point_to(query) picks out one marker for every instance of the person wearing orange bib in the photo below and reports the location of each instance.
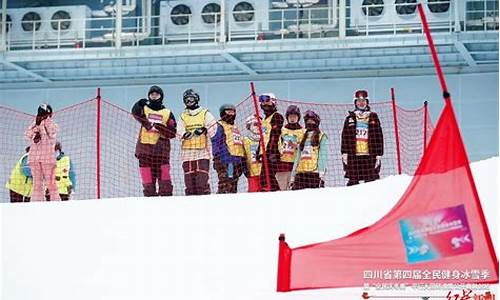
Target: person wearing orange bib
(291, 136)
(362, 142)
(228, 151)
(158, 126)
(309, 167)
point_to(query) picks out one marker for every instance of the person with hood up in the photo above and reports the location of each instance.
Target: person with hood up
(291, 136)
(362, 142)
(309, 167)
(20, 182)
(196, 128)
(227, 150)
(271, 127)
(158, 126)
(43, 133)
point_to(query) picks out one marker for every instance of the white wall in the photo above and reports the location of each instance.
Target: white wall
(475, 97)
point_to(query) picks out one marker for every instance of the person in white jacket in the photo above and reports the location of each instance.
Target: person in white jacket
(196, 127)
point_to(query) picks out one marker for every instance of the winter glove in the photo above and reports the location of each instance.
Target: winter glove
(200, 131)
(187, 135)
(70, 189)
(230, 170)
(377, 161)
(143, 102)
(344, 158)
(37, 137)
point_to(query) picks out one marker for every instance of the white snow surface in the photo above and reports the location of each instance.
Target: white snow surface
(205, 247)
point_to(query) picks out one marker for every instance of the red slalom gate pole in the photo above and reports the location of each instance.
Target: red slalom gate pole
(98, 145)
(396, 129)
(435, 58)
(261, 136)
(447, 100)
(426, 111)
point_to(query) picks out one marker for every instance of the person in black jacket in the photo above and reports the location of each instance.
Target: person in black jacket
(158, 126)
(362, 142)
(271, 127)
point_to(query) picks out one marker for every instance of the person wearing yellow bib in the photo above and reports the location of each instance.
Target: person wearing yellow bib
(196, 128)
(291, 136)
(158, 126)
(271, 127)
(309, 167)
(362, 142)
(65, 174)
(20, 181)
(228, 151)
(251, 144)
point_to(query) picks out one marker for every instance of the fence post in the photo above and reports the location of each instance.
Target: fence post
(396, 130)
(426, 111)
(98, 145)
(261, 136)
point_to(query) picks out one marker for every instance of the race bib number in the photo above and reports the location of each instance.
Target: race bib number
(289, 144)
(238, 140)
(155, 119)
(362, 133)
(307, 152)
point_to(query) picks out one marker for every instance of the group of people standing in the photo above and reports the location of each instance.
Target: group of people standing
(44, 172)
(276, 153)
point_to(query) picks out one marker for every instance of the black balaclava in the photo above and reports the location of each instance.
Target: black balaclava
(224, 116)
(155, 104)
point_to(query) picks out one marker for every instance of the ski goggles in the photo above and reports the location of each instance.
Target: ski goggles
(265, 98)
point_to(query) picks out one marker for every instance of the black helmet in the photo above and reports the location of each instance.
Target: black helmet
(311, 115)
(292, 110)
(225, 107)
(156, 89)
(44, 110)
(188, 95)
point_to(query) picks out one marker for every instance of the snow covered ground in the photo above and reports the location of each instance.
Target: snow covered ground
(213, 247)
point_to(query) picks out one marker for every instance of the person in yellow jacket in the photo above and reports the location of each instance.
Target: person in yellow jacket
(65, 173)
(251, 144)
(196, 128)
(20, 182)
(291, 136)
(309, 167)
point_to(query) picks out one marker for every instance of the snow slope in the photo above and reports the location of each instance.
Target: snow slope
(212, 247)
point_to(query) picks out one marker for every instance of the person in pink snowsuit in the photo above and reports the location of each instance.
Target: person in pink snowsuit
(42, 134)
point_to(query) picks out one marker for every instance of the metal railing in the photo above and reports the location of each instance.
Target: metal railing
(273, 24)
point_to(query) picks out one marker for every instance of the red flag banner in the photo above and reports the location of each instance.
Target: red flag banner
(436, 233)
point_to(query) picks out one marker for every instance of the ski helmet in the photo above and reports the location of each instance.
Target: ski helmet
(292, 110)
(250, 123)
(224, 107)
(190, 98)
(268, 97)
(311, 115)
(44, 110)
(156, 89)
